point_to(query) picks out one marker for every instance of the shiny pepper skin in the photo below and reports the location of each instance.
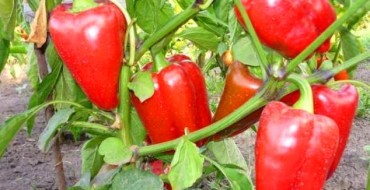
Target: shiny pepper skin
(240, 86)
(289, 26)
(179, 101)
(90, 43)
(339, 105)
(294, 148)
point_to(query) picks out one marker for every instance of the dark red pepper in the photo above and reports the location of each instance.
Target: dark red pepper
(289, 26)
(339, 105)
(240, 86)
(294, 148)
(179, 101)
(90, 43)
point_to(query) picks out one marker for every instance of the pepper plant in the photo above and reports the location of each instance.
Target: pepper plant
(130, 75)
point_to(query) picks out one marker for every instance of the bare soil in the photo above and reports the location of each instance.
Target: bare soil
(24, 167)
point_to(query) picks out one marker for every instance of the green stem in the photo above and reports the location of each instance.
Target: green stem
(124, 109)
(257, 44)
(82, 5)
(160, 62)
(252, 105)
(323, 76)
(172, 25)
(18, 49)
(305, 101)
(325, 35)
(94, 128)
(258, 101)
(352, 62)
(130, 34)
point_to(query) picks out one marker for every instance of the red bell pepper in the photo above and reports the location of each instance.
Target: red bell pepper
(240, 86)
(294, 148)
(338, 105)
(90, 43)
(179, 101)
(289, 26)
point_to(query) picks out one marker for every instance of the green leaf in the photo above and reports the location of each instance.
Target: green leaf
(151, 15)
(237, 177)
(130, 6)
(222, 9)
(104, 179)
(66, 89)
(34, 4)
(83, 183)
(138, 132)
(10, 128)
(211, 23)
(59, 118)
(226, 152)
(234, 27)
(186, 166)
(33, 72)
(142, 85)
(114, 152)
(185, 3)
(52, 56)
(350, 45)
(201, 38)
(4, 52)
(244, 52)
(47, 84)
(8, 15)
(92, 161)
(136, 179)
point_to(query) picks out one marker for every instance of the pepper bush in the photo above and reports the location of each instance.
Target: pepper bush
(130, 75)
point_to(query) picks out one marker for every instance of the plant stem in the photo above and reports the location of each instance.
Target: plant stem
(305, 101)
(323, 76)
(253, 104)
(58, 165)
(325, 35)
(18, 49)
(124, 109)
(130, 34)
(94, 128)
(353, 61)
(258, 101)
(49, 112)
(160, 62)
(173, 24)
(257, 44)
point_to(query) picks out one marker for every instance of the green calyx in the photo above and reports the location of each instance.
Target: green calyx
(83, 5)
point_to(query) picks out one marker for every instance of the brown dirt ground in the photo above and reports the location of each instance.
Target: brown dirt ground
(25, 167)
